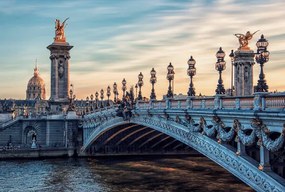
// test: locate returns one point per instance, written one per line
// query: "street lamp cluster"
(115, 91)
(261, 57)
(140, 84)
(152, 81)
(220, 66)
(124, 87)
(170, 78)
(191, 71)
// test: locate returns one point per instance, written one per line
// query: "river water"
(122, 174)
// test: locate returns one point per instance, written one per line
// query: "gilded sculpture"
(59, 31)
(243, 39)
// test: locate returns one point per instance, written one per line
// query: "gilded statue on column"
(243, 39)
(59, 31)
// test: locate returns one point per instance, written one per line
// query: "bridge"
(245, 135)
(239, 130)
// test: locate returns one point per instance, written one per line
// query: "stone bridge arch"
(239, 166)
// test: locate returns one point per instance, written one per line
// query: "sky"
(119, 39)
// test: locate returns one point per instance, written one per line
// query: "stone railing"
(259, 101)
(274, 102)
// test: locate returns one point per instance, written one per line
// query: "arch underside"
(150, 133)
(135, 138)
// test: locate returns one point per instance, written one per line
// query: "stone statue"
(243, 39)
(59, 30)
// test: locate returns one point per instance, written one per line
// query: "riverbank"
(71, 152)
(36, 153)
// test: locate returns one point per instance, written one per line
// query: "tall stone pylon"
(59, 56)
(243, 72)
(243, 66)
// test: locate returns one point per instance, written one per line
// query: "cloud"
(113, 40)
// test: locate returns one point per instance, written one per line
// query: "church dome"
(36, 87)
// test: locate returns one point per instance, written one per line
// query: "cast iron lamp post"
(71, 98)
(170, 77)
(96, 99)
(124, 87)
(115, 90)
(140, 84)
(220, 66)
(136, 86)
(261, 57)
(91, 97)
(191, 72)
(232, 56)
(108, 95)
(102, 97)
(153, 80)
(87, 105)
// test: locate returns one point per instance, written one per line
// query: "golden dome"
(36, 86)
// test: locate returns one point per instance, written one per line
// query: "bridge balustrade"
(228, 103)
(246, 102)
(257, 102)
(208, 103)
(196, 103)
(274, 102)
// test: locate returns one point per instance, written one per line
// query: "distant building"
(36, 87)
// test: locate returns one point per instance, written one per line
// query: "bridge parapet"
(259, 101)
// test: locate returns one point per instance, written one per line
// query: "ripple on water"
(119, 174)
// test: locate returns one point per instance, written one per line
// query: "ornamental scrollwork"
(245, 136)
(265, 136)
(227, 133)
(209, 130)
(178, 120)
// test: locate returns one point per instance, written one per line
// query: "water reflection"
(117, 174)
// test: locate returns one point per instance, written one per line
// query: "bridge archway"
(239, 166)
(130, 137)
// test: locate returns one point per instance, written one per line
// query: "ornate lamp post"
(87, 105)
(140, 84)
(115, 90)
(71, 98)
(96, 96)
(124, 87)
(232, 56)
(132, 96)
(136, 86)
(108, 95)
(102, 97)
(191, 72)
(153, 80)
(91, 97)
(170, 77)
(220, 66)
(261, 57)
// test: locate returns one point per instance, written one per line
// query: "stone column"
(59, 55)
(243, 72)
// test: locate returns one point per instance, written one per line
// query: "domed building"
(36, 87)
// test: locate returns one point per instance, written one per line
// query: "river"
(161, 174)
